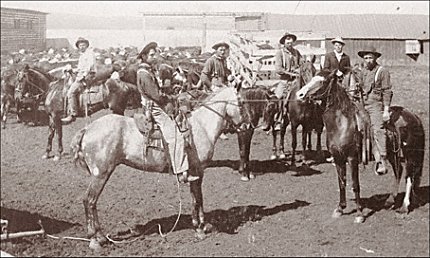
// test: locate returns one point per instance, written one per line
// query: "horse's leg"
(341, 178)
(293, 143)
(353, 163)
(319, 148)
(247, 152)
(409, 176)
(244, 140)
(59, 129)
(305, 132)
(4, 110)
(281, 141)
(397, 170)
(51, 133)
(274, 146)
(198, 216)
(18, 111)
(90, 204)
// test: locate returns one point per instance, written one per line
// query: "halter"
(237, 126)
(25, 80)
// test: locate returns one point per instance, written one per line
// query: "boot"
(68, 120)
(184, 177)
(73, 103)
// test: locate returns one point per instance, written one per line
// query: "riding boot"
(73, 105)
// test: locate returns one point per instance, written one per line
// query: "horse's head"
(271, 109)
(21, 85)
(318, 86)
(307, 71)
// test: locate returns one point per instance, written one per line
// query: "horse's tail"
(78, 156)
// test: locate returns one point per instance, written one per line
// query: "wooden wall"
(22, 29)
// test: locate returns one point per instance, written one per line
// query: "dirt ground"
(285, 211)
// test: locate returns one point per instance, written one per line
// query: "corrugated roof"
(378, 26)
(21, 10)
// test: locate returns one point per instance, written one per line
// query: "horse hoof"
(403, 210)
(273, 157)
(251, 176)
(200, 234)
(244, 178)
(282, 156)
(207, 228)
(95, 245)
(45, 156)
(195, 223)
(336, 213)
(359, 219)
(57, 158)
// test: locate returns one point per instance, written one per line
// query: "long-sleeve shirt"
(86, 63)
(215, 68)
(381, 88)
(147, 83)
(286, 61)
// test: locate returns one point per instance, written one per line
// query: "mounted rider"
(86, 71)
(287, 66)
(153, 103)
(377, 95)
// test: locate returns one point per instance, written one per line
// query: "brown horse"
(112, 94)
(344, 140)
(308, 114)
(30, 90)
(100, 149)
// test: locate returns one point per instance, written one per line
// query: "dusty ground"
(285, 211)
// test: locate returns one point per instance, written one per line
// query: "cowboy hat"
(338, 39)
(287, 35)
(82, 40)
(149, 46)
(371, 50)
(221, 44)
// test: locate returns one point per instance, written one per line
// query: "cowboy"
(377, 91)
(337, 59)
(287, 66)
(215, 71)
(85, 72)
(153, 102)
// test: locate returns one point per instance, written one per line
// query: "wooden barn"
(22, 29)
(402, 39)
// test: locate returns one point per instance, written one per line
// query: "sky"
(134, 8)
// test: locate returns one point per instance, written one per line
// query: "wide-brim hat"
(221, 44)
(149, 46)
(287, 34)
(338, 39)
(368, 50)
(80, 40)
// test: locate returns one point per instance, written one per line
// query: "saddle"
(151, 132)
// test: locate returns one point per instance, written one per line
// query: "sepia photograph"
(215, 128)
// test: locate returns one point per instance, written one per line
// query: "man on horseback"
(85, 71)
(215, 71)
(287, 66)
(153, 102)
(337, 59)
(377, 95)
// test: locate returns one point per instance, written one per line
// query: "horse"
(100, 149)
(30, 90)
(112, 94)
(255, 101)
(8, 82)
(344, 140)
(304, 113)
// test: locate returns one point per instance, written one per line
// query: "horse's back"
(54, 100)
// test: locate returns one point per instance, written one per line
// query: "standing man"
(85, 72)
(337, 59)
(215, 71)
(287, 66)
(153, 102)
(377, 90)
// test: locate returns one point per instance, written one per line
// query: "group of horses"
(100, 149)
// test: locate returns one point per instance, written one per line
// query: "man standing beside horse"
(287, 66)
(377, 95)
(153, 102)
(85, 72)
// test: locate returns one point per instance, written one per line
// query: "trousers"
(374, 106)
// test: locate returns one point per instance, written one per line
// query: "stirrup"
(185, 178)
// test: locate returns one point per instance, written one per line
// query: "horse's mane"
(40, 71)
(254, 101)
(338, 98)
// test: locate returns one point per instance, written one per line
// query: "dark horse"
(112, 94)
(308, 114)
(30, 90)
(100, 149)
(344, 139)
(8, 82)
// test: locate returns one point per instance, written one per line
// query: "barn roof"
(21, 10)
(349, 26)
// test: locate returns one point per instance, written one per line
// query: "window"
(16, 24)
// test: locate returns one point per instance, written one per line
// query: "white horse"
(112, 140)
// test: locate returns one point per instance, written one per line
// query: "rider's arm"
(386, 88)
(147, 87)
(279, 68)
(206, 75)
